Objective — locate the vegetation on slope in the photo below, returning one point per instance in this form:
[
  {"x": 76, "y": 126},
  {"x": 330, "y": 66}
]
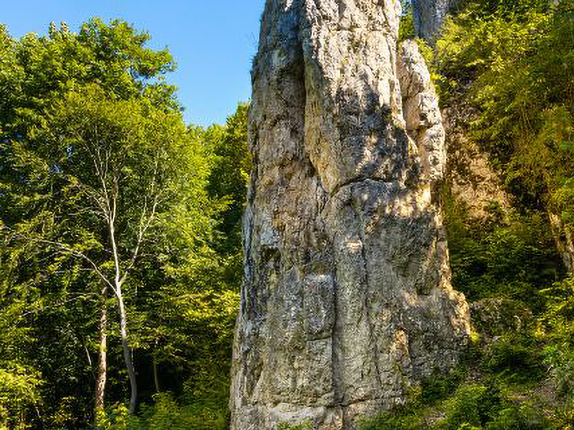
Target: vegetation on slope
[{"x": 504, "y": 72}]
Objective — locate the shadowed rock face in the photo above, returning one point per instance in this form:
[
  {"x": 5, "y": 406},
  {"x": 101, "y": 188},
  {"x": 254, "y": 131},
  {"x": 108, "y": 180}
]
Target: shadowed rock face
[
  {"x": 429, "y": 15},
  {"x": 346, "y": 299}
]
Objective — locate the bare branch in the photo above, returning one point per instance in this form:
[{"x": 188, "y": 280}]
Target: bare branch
[
  {"x": 145, "y": 221},
  {"x": 64, "y": 248}
]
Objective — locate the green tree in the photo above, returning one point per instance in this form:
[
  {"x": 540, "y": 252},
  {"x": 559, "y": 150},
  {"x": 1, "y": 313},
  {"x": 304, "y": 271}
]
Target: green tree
[
  {"x": 119, "y": 225},
  {"x": 91, "y": 138},
  {"x": 119, "y": 164},
  {"x": 230, "y": 174}
]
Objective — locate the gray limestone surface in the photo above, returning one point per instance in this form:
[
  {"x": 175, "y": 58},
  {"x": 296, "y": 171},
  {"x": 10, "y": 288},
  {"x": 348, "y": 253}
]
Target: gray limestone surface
[
  {"x": 346, "y": 300},
  {"x": 429, "y": 16}
]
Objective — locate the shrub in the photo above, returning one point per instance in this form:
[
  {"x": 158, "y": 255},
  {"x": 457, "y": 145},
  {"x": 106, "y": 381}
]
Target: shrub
[
  {"x": 440, "y": 386},
  {"x": 19, "y": 395},
  {"x": 394, "y": 420},
  {"x": 167, "y": 413},
  {"x": 472, "y": 405},
  {"x": 514, "y": 356},
  {"x": 518, "y": 418},
  {"x": 117, "y": 418},
  {"x": 559, "y": 358},
  {"x": 305, "y": 425}
]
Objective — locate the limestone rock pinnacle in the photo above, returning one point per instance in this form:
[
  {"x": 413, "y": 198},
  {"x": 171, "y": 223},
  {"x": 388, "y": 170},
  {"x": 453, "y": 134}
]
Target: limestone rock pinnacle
[
  {"x": 429, "y": 16},
  {"x": 346, "y": 300}
]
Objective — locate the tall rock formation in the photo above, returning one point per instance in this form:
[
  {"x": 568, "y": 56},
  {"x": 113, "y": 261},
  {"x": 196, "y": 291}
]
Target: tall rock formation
[
  {"x": 346, "y": 299},
  {"x": 429, "y": 16}
]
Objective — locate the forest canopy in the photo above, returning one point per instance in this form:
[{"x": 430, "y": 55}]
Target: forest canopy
[{"x": 120, "y": 234}]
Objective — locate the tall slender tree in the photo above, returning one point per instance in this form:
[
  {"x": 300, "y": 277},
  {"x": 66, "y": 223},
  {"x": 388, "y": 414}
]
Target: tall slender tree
[{"x": 81, "y": 113}]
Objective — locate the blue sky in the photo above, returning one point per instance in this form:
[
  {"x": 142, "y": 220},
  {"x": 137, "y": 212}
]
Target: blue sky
[{"x": 213, "y": 41}]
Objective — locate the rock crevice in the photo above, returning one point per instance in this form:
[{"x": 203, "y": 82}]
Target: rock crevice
[{"x": 346, "y": 301}]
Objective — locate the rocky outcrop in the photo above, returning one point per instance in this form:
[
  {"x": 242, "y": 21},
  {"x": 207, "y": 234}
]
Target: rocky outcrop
[
  {"x": 470, "y": 178},
  {"x": 346, "y": 300},
  {"x": 495, "y": 317},
  {"x": 429, "y": 16},
  {"x": 563, "y": 239}
]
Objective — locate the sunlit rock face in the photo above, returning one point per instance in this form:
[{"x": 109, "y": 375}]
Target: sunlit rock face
[
  {"x": 346, "y": 300},
  {"x": 429, "y": 16}
]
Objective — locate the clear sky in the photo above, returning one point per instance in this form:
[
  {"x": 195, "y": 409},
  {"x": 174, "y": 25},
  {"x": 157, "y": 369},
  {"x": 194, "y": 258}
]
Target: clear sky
[{"x": 213, "y": 41}]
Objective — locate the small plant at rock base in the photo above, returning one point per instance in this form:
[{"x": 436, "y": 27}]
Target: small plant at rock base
[
  {"x": 516, "y": 357},
  {"x": 516, "y": 417},
  {"x": 394, "y": 420},
  {"x": 440, "y": 386},
  {"x": 305, "y": 425},
  {"x": 473, "y": 405}
]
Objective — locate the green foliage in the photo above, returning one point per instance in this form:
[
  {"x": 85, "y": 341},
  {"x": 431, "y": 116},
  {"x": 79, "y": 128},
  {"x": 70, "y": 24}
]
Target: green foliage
[
  {"x": 516, "y": 357},
  {"x": 508, "y": 60},
  {"x": 396, "y": 420},
  {"x": 440, "y": 387},
  {"x": 415, "y": 414},
  {"x": 196, "y": 307},
  {"x": 407, "y": 23},
  {"x": 228, "y": 180},
  {"x": 90, "y": 113},
  {"x": 559, "y": 352},
  {"x": 166, "y": 413},
  {"x": 117, "y": 418},
  {"x": 524, "y": 417},
  {"x": 560, "y": 360},
  {"x": 472, "y": 405},
  {"x": 305, "y": 425},
  {"x": 511, "y": 259},
  {"x": 19, "y": 394}
]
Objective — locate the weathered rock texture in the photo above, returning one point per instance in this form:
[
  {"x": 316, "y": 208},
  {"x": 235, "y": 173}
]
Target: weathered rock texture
[
  {"x": 346, "y": 300},
  {"x": 429, "y": 16},
  {"x": 470, "y": 178}
]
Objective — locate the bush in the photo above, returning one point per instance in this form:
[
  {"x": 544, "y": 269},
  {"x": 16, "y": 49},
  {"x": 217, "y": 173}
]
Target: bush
[
  {"x": 496, "y": 317},
  {"x": 305, "y": 425},
  {"x": 518, "y": 418},
  {"x": 167, "y": 413},
  {"x": 472, "y": 405},
  {"x": 511, "y": 259},
  {"x": 407, "y": 24},
  {"x": 19, "y": 395},
  {"x": 439, "y": 387},
  {"x": 411, "y": 416},
  {"x": 394, "y": 421},
  {"x": 559, "y": 357},
  {"x": 117, "y": 418},
  {"x": 515, "y": 357}
]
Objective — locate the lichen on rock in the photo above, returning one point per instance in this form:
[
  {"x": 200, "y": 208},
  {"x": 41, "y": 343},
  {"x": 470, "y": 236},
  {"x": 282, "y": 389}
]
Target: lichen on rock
[{"x": 346, "y": 300}]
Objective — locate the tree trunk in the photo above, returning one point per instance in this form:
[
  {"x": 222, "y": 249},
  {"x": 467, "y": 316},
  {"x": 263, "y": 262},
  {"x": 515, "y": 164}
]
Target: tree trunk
[
  {"x": 101, "y": 377},
  {"x": 155, "y": 375},
  {"x": 127, "y": 352}
]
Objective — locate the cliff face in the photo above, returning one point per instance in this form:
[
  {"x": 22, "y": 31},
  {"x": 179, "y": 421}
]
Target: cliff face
[
  {"x": 346, "y": 299},
  {"x": 429, "y": 16}
]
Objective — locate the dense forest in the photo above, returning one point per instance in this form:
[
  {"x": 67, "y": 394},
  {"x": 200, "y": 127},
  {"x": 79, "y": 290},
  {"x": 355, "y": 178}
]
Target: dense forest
[{"x": 120, "y": 230}]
